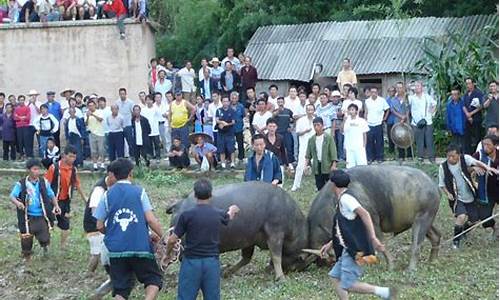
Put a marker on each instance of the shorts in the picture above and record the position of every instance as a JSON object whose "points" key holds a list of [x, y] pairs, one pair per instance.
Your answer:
{"points": [[346, 270], [39, 229], [469, 209], [122, 271], [62, 219], [225, 143], [95, 241]]}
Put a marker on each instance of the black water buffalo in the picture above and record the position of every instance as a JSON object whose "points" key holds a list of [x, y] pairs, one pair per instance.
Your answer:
{"points": [[269, 219], [397, 198]]}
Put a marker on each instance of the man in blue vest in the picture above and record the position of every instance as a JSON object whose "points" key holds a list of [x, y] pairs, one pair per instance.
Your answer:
{"points": [[127, 212]]}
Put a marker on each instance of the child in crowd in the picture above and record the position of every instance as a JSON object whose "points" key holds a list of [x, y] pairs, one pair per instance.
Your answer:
{"points": [[355, 130], [51, 154]]}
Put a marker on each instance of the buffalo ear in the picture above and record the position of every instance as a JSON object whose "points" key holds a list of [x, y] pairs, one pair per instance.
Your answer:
{"points": [[171, 208]]}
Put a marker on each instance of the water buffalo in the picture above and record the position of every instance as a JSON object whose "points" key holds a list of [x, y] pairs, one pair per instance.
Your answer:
{"points": [[269, 219], [397, 198]]}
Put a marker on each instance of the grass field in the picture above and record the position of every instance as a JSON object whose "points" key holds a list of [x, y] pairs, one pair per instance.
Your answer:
{"points": [[471, 273]]}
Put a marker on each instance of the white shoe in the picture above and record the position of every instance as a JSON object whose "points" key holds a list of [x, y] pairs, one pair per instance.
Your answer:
{"points": [[290, 166], [294, 189], [95, 167], [103, 166], [223, 165], [232, 166]]}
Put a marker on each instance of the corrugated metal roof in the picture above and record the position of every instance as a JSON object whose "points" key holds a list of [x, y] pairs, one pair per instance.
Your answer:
{"points": [[288, 52]]}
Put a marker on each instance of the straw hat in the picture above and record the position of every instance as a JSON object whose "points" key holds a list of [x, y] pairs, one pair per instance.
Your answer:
{"points": [[215, 59], [194, 136], [67, 90], [33, 93]]}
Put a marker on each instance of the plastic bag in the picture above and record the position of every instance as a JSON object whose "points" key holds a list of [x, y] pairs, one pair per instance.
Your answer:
{"points": [[205, 165]]}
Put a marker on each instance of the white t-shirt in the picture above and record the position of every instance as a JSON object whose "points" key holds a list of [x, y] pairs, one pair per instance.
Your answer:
{"points": [[319, 146], [259, 120], [153, 115], [417, 108], [212, 109], [353, 132], [375, 110], [187, 80], [348, 102], [303, 124], [106, 112], [78, 113], [273, 101], [72, 128], [96, 196], [164, 108], [138, 133], [200, 72], [34, 111], [295, 106], [347, 205]]}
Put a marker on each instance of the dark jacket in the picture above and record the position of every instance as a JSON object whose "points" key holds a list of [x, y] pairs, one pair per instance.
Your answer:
{"points": [[248, 77], [268, 170], [8, 128], [80, 125], [236, 82], [146, 130], [278, 148], [89, 222], [455, 117], [213, 86]]}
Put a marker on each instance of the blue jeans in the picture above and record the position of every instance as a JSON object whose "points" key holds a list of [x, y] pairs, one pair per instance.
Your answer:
{"points": [[375, 143], [42, 145], [288, 142], [183, 134], [115, 145], [339, 143], [196, 274], [76, 141], [128, 133]]}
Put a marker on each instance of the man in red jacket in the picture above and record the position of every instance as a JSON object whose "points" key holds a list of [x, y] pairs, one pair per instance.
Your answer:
{"points": [[115, 8]]}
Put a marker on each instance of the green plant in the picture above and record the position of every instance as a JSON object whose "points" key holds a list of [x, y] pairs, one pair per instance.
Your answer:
{"points": [[157, 177], [449, 60]]}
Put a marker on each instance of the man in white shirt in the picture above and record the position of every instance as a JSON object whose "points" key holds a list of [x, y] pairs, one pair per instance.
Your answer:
{"points": [[234, 60], [34, 105], [355, 129], [204, 65], [261, 116], [163, 85], [152, 113], [422, 109], [216, 71], [272, 101], [352, 96], [346, 75], [376, 109], [163, 125], [292, 102], [212, 110], [187, 76], [305, 130]]}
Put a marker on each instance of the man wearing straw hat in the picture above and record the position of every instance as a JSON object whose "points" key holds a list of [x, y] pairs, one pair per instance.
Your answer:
{"points": [[216, 71], [66, 94], [203, 149]]}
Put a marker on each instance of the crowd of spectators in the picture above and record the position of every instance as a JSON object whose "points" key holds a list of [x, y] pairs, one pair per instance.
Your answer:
{"points": [[210, 115], [27, 11]]}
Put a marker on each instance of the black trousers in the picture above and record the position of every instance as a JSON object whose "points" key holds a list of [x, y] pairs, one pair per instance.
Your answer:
{"points": [[321, 180], [9, 147], [24, 137], [241, 145], [141, 151], [473, 134], [154, 146]]}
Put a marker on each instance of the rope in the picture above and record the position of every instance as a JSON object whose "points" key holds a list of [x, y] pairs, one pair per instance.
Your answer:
{"points": [[161, 254]]}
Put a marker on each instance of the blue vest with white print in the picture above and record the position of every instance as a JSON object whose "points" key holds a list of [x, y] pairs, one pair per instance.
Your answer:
{"points": [[127, 233]]}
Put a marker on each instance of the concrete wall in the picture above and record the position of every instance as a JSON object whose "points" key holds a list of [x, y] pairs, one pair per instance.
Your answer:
{"points": [[86, 56]]}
